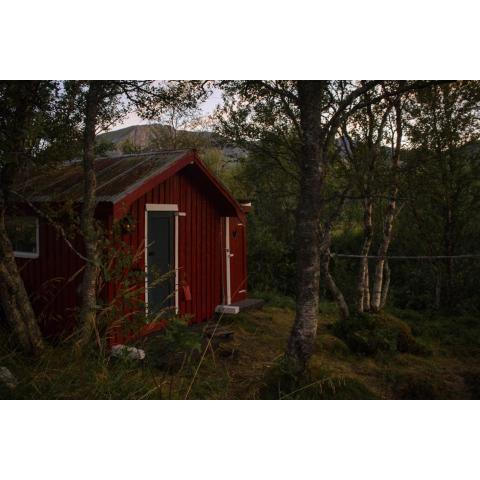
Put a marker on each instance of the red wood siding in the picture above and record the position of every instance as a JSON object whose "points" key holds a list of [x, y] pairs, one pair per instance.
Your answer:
{"points": [[53, 280], [199, 242]]}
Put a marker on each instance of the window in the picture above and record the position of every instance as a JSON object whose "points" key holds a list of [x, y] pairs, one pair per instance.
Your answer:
{"points": [[23, 233]]}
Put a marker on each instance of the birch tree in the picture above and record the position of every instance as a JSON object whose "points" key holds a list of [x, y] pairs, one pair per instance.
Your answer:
{"points": [[103, 104], [364, 133], [307, 116], [34, 131], [443, 175], [380, 287]]}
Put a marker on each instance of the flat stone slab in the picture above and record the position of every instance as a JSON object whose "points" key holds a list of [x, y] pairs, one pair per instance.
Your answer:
{"points": [[242, 305], [249, 304]]}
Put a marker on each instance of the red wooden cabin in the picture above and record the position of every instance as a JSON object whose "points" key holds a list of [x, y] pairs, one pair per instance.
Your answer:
{"points": [[168, 201]]}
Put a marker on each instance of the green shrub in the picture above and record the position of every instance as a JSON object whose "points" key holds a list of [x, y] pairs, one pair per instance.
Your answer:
{"points": [[61, 374], [472, 381], [174, 345], [418, 385], [275, 299], [281, 383], [332, 344], [369, 334]]}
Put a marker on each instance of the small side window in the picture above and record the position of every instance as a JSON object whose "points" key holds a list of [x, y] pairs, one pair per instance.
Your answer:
{"points": [[24, 235]]}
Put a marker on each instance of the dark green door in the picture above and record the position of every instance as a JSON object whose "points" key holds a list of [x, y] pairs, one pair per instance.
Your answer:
{"points": [[161, 263]]}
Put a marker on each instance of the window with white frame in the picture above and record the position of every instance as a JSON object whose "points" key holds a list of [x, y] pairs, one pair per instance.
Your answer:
{"points": [[24, 235]]}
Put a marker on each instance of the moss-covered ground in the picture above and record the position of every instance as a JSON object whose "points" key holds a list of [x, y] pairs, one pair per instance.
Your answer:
{"points": [[397, 355]]}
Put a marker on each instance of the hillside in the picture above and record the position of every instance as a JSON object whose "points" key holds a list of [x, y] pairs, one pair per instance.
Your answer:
{"points": [[159, 137]]}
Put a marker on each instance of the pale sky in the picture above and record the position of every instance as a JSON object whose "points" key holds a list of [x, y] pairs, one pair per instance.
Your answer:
{"points": [[207, 108]]}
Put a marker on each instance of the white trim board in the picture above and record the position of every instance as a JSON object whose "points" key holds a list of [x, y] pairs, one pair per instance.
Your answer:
{"points": [[161, 207], [31, 255], [227, 260]]}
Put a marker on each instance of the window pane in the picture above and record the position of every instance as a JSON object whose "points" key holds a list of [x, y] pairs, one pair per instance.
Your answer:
{"points": [[23, 234]]}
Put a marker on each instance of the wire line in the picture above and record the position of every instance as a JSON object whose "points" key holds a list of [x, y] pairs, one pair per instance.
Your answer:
{"points": [[405, 257]]}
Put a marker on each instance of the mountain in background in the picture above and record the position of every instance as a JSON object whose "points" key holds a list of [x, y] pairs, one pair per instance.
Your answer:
{"points": [[139, 138]]}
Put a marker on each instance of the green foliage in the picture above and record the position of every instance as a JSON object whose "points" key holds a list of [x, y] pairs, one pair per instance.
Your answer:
{"points": [[275, 299], [271, 253], [176, 344], [439, 182], [442, 191], [320, 384], [102, 148], [472, 379], [250, 365], [418, 386], [271, 223], [228, 170], [122, 266], [332, 344], [62, 373], [255, 119], [59, 373], [370, 334], [458, 333], [178, 335], [35, 116], [128, 147]]}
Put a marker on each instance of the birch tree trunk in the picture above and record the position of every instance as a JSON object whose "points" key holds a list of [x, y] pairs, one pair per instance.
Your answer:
{"points": [[438, 289], [332, 286], [363, 287], [302, 337], [386, 285], [325, 243], [14, 298], [389, 218], [88, 227], [366, 289], [13, 295], [448, 293], [382, 252]]}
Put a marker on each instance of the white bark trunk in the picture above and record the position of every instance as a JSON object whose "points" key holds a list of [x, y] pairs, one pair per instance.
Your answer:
{"points": [[386, 285], [389, 217], [363, 289], [302, 337], [333, 288], [14, 297], [88, 227]]}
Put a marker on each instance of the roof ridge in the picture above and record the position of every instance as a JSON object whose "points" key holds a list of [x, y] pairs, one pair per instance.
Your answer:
{"points": [[141, 154]]}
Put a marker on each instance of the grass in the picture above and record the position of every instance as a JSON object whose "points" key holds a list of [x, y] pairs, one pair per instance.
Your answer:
{"points": [[249, 366]]}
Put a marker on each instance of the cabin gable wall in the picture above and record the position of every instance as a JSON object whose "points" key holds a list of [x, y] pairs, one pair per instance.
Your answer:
{"points": [[199, 239]]}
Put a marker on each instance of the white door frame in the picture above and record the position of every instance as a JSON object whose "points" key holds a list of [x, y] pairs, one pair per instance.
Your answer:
{"points": [[227, 260], [162, 207]]}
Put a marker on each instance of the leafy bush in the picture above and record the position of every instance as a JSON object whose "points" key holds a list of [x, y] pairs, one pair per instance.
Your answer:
{"points": [[332, 344], [173, 345], [460, 334], [275, 299], [418, 385], [319, 384], [472, 380], [61, 374], [369, 334]]}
